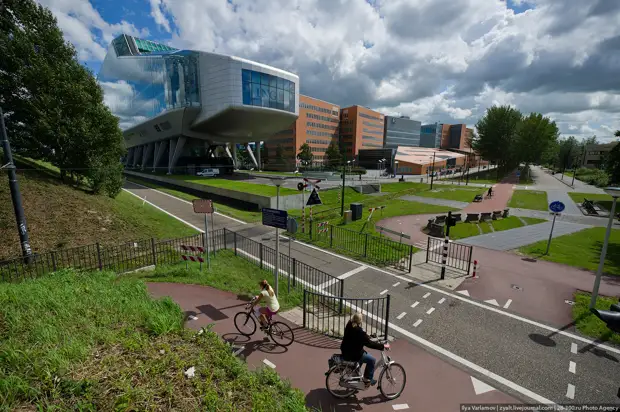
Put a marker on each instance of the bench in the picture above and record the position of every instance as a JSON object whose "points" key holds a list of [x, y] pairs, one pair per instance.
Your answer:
{"points": [[440, 219], [430, 223], [471, 217], [436, 230], [505, 215], [478, 198], [457, 217], [497, 214], [589, 206], [485, 216]]}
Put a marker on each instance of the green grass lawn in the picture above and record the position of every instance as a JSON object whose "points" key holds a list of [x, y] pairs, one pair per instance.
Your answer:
{"points": [[463, 230], [249, 216], [237, 185], [93, 341], [602, 199], [581, 249], [587, 323], [403, 186], [529, 199], [533, 220], [451, 192]]}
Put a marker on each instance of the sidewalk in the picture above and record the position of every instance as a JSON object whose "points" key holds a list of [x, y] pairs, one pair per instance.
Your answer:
{"points": [[432, 384]]}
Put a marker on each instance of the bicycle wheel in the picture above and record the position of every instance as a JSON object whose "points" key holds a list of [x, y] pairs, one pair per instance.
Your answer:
{"points": [[281, 334], [392, 374], [332, 383], [245, 323]]}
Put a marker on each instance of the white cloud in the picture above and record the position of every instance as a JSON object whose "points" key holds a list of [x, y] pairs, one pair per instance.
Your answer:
{"points": [[435, 60]]}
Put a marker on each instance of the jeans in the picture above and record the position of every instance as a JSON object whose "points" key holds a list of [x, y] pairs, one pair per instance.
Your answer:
{"points": [[369, 370]]}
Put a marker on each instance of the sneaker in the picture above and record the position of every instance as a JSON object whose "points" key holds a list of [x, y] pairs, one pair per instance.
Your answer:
{"points": [[371, 382]]}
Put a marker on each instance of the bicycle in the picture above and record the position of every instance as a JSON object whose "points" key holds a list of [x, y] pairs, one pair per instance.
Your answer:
{"points": [[351, 379], [248, 318]]}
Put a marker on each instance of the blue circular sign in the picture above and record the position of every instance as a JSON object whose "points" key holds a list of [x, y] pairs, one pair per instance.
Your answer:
{"points": [[556, 206]]}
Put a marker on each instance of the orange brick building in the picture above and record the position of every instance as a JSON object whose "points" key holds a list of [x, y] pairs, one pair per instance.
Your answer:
{"points": [[360, 128], [318, 125]]}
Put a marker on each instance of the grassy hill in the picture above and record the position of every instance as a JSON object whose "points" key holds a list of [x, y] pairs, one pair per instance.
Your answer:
{"points": [[60, 216]]}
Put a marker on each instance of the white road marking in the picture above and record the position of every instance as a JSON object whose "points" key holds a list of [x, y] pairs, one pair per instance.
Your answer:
{"points": [[185, 201], [428, 312], [417, 323], [570, 391], [402, 315], [507, 303], [481, 387], [395, 284], [166, 212], [463, 292], [492, 302], [400, 407], [572, 366], [268, 363], [442, 300], [573, 347], [343, 276], [415, 304], [384, 292], [427, 295]]}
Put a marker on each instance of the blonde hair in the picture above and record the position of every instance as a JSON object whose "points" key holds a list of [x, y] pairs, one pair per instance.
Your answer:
{"points": [[356, 320], [265, 285]]}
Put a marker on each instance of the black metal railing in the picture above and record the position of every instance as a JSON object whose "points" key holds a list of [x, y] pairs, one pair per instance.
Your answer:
{"points": [[375, 249], [459, 255], [328, 314]]}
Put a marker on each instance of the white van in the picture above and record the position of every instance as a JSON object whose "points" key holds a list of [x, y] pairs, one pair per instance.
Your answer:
{"points": [[208, 172]]}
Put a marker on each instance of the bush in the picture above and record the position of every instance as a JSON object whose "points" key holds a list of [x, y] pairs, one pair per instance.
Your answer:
{"points": [[594, 177]]}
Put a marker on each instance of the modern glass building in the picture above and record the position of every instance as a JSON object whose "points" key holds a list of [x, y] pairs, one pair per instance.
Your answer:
{"points": [[430, 135], [401, 131], [180, 102]]}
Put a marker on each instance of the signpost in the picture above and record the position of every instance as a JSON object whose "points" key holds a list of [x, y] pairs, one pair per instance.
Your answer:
{"points": [[278, 219], [205, 206], [291, 227], [519, 177], [556, 208]]}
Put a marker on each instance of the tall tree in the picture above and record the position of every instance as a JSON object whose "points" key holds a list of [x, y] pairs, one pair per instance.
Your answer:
{"points": [[568, 153], [334, 157], [535, 136], [613, 163], [305, 154], [496, 137]]}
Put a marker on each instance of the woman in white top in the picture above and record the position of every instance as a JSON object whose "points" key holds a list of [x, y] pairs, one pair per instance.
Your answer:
{"points": [[271, 303]]}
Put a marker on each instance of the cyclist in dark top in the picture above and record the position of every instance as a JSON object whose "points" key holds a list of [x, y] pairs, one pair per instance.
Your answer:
{"points": [[352, 347]]}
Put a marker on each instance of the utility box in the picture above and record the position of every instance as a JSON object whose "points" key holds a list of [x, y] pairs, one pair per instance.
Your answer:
{"points": [[347, 216], [356, 209]]}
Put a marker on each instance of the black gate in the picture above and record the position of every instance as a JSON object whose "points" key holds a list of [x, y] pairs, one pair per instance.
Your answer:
{"points": [[328, 315], [459, 255]]}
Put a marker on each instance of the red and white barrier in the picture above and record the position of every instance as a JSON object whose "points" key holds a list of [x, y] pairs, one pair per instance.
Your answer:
{"points": [[322, 227], [474, 274], [193, 248], [192, 258]]}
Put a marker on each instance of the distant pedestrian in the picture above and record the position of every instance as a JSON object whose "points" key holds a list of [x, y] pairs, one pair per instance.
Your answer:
{"points": [[490, 192]]}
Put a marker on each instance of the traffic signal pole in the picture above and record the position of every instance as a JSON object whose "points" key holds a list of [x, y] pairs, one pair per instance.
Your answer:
{"points": [[15, 194], [446, 242]]}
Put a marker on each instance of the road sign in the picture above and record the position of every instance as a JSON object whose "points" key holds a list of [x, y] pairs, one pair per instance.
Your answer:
{"points": [[518, 173], [314, 199], [202, 206], [291, 225], [556, 206], [301, 186], [275, 218]]}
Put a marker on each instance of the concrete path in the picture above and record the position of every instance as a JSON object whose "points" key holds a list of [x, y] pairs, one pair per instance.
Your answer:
{"points": [[545, 181], [562, 196], [564, 217], [434, 201], [522, 236]]}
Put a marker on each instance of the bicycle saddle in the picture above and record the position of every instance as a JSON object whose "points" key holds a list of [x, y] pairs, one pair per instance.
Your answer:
{"points": [[611, 318]]}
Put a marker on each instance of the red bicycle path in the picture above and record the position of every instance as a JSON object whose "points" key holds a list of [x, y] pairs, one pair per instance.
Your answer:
{"points": [[532, 288], [432, 383]]}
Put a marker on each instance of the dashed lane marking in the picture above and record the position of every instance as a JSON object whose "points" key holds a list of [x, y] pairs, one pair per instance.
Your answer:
{"points": [[492, 302], [507, 303], [442, 300], [573, 347], [572, 366], [400, 407], [427, 295], [431, 310], [395, 284], [417, 323], [268, 363], [384, 292], [570, 391], [463, 292], [165, 211], [415, 304], [402, 315]]}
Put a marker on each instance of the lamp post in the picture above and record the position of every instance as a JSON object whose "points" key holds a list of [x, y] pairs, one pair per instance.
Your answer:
{"points": [[278, 182], [615, 193], [433, 171], [583, 159], [395, 167]]}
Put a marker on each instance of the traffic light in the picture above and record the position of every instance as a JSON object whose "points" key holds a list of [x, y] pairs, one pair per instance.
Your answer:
{"points": [[610, 317]]}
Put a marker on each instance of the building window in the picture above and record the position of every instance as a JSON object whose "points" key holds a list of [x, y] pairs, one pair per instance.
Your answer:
{"points": [[265, 90]]}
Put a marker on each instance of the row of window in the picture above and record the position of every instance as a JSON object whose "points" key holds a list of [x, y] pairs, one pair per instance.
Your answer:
{"points": [[367, 116], [318, 141], [371, 145], [321, 125], [404, 169], [265, 90], [324, 118], [373, 131], [322, 134], [318, 149], [365, 137], [372, 124], [318, 109], [282, 140], [346, 129]]}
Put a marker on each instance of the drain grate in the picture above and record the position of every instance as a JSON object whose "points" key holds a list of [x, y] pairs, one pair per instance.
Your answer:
{"points": [[569, 302], [517, 287]]}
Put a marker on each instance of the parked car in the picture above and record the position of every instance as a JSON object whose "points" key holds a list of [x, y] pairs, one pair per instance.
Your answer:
{"points": [[208, 172]]}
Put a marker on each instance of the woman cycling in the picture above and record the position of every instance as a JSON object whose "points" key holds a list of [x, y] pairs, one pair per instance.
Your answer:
{"points": [[271, 303]]}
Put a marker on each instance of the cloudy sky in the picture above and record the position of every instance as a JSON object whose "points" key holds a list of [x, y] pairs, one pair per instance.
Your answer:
{"points": [[433, 60]]}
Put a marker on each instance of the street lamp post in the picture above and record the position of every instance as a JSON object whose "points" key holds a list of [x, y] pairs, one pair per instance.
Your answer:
{"points": [[395, 167], [278, 182], [433, 171], [575, 169], [615, 193]]}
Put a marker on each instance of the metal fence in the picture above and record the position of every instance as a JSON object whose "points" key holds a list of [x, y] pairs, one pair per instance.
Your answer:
{"points": [[379, 250], [297, 274], [459, 255], [328, 315]]}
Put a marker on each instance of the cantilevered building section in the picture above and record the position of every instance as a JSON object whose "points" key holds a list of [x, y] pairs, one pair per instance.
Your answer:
{"points": [[176, 107]]}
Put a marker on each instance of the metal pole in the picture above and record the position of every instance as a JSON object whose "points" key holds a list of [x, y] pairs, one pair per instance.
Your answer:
{"points": [[575, 169], [343, 183], [207, 241], [277, 242], [18, 208], [550, 234], [433, 171], [446, 241], [601, 264]]}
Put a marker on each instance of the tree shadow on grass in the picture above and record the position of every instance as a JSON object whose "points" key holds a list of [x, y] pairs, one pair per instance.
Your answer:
{"points": [[612, 259]]}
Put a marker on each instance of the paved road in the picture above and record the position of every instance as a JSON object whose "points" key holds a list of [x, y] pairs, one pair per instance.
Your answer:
{"points": [[545, 181], [522, 236], [305, 361], [505, 351], [562, 196], [580, 218], [434, 201]]}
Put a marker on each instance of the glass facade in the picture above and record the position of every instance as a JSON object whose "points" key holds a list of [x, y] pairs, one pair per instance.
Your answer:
{"points": [[401, 132], [142, 86], [265, 90], [430, 135]]}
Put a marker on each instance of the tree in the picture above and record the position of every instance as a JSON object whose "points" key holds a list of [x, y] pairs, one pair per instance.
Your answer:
{"points": [[496, 137], [54, 106], [568, 153], [243, 158], [613, 162], [305, 154], [334, 157], [264, 154], [535, 136]]}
